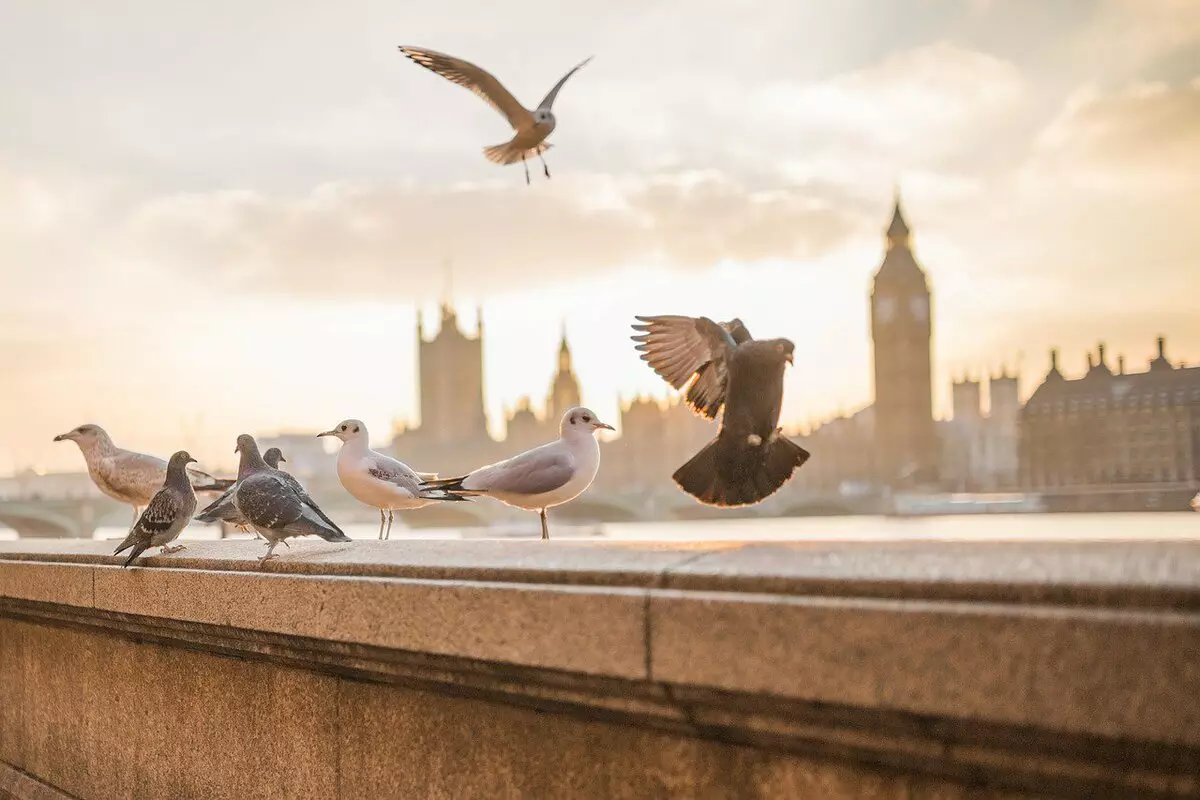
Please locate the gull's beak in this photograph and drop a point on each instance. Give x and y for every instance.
(62, 437)
(326, 433)
(605, 425)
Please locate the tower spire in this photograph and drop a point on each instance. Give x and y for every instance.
(898, 231)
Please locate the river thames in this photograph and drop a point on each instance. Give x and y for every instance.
(989, 527)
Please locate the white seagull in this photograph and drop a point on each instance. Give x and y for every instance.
(532, 127)
(126, 476)
(543, 477)
(377, 480)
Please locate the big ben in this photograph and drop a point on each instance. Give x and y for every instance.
(902, 335)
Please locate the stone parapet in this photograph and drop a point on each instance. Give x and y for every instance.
(601, 669)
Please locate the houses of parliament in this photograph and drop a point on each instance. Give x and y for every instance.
(1103, 428)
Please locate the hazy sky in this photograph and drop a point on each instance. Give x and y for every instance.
(221, 217)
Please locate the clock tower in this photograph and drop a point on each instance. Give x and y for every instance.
(906, 449)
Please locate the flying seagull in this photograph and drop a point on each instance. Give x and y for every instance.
(532, 127)
(543, 477)
(377, 480)
(275, 504)
(167, 515)
(223, 508)
(126, 476)
(721, 365)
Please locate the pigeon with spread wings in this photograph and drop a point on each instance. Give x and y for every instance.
(531, 127)
(723, 368)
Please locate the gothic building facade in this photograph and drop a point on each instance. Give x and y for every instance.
(906, 442)
(1110, 428)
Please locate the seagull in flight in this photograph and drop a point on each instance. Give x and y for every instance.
(532, 127)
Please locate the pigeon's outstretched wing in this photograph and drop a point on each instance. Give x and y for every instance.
(477, 79)
(691, 350)
(548, 100)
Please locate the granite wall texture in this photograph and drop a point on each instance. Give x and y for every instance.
(462, 670)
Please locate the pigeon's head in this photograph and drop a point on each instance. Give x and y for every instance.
(273, 457)
(544, 118)
(347, 430)
(83, 436)
(580, 422)
(180, 459)
(783, 349)
(246, 444)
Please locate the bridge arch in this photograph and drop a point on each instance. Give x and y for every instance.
(40, 523)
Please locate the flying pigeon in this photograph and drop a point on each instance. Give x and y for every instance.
(167, 514)
(543, 477)
(722, 366)
(532, 127)
(126, 476)
(377, 480)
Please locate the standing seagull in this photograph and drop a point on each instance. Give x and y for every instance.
(223, 508)
(124, 475)
(543, 477)
(722, 365)
(378, 480)
(532, 127)
(275, 504)
(168, 513)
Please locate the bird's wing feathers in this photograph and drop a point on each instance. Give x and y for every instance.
(689, 349)
(161, 514)
(133, 474)
(391, 471)
(548, 100)
(267, 501)
(477, 79)
(534, 472)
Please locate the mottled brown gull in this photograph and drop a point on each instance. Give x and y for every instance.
(124, 475)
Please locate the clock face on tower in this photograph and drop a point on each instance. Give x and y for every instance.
(919, 307)
(887, 309)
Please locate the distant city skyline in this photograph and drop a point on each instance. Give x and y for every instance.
(239, 237)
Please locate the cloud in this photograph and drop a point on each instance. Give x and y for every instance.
(1146, 135)
(393, 239)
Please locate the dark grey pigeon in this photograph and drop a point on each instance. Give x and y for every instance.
(224, 509)
(722, 366)
(167, 514)
(274, 502)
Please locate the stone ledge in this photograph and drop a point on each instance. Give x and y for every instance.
(1028, 667)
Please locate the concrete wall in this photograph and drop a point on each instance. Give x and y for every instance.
(521, 669)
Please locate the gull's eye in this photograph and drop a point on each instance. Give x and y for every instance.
(587, 419)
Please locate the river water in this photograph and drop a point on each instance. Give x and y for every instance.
(989, 527)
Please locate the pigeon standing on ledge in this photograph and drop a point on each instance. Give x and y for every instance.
(223, 509)
(274, 502)
(543, 477)
(377, 480)
(532, 127)
(723, 366)
(126, 476)
(168, 513)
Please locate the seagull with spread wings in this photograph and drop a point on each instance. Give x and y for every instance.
(532, 127)
(723, 367)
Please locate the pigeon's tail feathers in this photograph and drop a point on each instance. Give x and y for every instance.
(220, 509)
(312, 525)
(741, 475)
(137, 551)
(128, 541)
(510, 153)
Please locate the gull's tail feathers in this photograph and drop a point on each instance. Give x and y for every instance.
(510, 153)
(450, 486)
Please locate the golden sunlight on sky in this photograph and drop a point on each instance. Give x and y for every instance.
(221, 218)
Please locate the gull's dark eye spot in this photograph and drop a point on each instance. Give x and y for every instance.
(356, 429)
(587, 419)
